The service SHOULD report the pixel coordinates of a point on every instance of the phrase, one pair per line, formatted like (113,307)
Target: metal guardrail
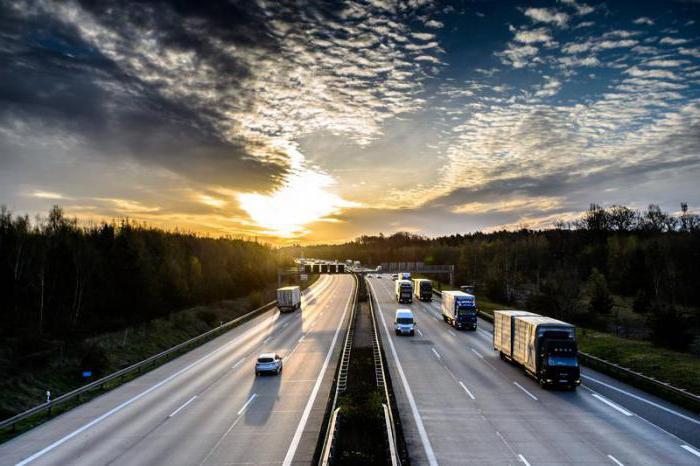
(341,375)
(330,439)
(381,382)
(10,422)
(636,379)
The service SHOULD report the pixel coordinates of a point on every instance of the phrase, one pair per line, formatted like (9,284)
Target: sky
(322,121)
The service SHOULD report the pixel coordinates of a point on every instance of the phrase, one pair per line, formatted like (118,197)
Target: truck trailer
(404,291)
(544,347)
(423,289)
(459,309)
(288,298)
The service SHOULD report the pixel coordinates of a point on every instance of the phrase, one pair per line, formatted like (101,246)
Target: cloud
(695,52)
(673,41)
(517,56)
(435,24)
(533,36)
(644,20)
(547,15)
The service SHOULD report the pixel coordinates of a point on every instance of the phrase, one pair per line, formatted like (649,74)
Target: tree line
(572,271)
(63,281)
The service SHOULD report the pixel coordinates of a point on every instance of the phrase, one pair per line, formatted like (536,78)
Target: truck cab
(404,324)
(557,358)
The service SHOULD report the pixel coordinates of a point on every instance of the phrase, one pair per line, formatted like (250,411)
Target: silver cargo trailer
(502,331)
(546,349)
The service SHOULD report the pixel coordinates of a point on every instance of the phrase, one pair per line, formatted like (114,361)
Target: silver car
(269,363)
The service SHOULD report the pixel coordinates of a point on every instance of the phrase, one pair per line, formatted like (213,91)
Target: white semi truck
(459,309)
(423,289)
(404,291)
(544,347)
(288,298)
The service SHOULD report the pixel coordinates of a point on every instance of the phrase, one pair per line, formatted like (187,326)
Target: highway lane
(460,404)
(207,407)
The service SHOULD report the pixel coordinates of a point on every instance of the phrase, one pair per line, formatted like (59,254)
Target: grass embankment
(681,370)
(361,434)
(22,388)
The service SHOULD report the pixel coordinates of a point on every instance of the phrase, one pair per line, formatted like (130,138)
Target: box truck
(288,298)
(459,309)
(544,347)
(404,291)
(423,289)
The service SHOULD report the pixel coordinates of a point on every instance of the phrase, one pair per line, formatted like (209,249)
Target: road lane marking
(302,338)
(615,460)
(126,403)
(637,397)
(266,340)
(453,334)
(523,389)
(612,405)
(477,353)
(485,333)
(291,451)
(183,406)
(467,390)
(247,403)
(419,332)
(285,324)
(409,394)
(691,450)
(238,363)
(436,353)
(522,458)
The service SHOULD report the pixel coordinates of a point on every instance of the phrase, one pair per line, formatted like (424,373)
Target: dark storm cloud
(51,77)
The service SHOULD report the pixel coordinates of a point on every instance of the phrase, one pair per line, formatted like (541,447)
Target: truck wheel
(501,355)
(413,333)
(444,317)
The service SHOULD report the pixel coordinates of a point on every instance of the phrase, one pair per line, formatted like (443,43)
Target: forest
(632,273)
(61,283)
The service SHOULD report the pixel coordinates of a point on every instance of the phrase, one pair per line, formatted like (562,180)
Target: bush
(208,316)
(255,299)
(669,327)
(94,358)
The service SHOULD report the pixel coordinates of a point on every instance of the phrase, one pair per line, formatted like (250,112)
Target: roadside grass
(682,370)
(22,388)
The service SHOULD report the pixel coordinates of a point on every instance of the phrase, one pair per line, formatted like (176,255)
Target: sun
(302,200)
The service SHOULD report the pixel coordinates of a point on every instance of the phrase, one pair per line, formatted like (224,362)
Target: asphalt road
(207,407)
(460,404)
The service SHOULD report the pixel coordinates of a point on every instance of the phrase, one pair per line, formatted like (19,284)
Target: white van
(404,324)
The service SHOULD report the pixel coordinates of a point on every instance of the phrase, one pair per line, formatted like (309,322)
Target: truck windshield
(465,311)
(404,320)
(562,361)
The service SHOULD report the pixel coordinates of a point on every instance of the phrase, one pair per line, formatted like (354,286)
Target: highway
(460,404)
(207,407)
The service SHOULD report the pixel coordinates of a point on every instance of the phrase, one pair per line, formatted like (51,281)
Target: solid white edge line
(419,332)
(523,389)
(411,401)
(477,353)
(126,403)
(637,397)
(291,451)
(245,405)
(182,406)
(690,449)
(522,458)
(436,353)
(467,390)
(612,405)
(615,460)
